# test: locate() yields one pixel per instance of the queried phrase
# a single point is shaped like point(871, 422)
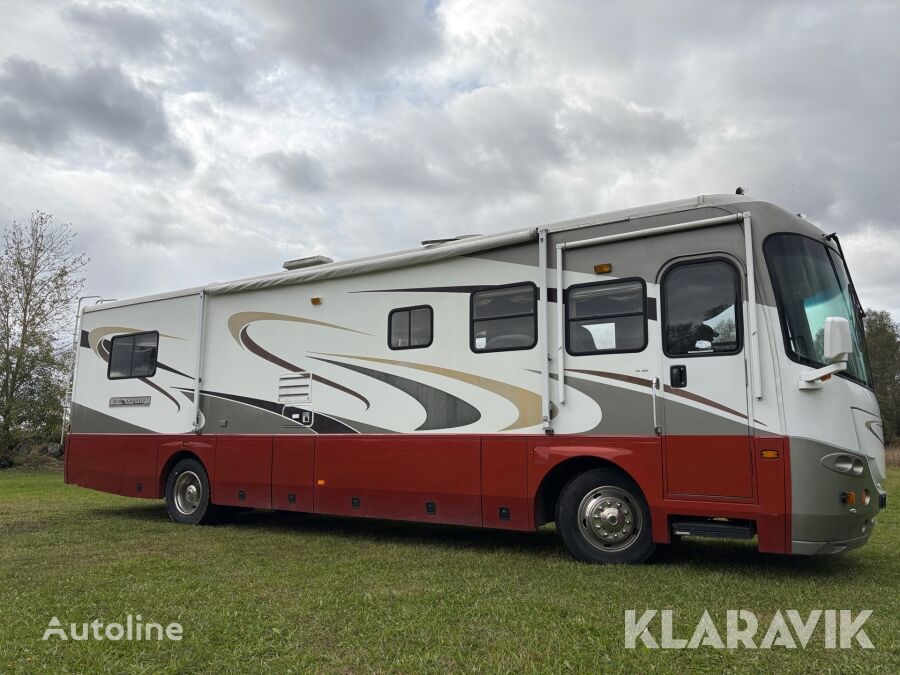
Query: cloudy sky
point(188, 142)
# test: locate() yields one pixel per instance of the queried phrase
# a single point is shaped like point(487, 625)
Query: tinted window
point(410, 327)
point(133, 355)
point(120, 356)
point(810, 285)
point(143, 361)
point(701, 309)
point(504, 318)
point(606, 317)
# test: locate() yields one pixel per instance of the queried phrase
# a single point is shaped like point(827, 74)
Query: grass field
point(282, 592)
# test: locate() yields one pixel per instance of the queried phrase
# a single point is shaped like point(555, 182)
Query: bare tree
point(40, 278)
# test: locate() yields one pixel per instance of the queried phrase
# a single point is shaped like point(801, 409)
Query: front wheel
point(187, 494)
point(602, 517)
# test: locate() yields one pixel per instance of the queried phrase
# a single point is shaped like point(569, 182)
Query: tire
point(187, 494)
point(602, 517)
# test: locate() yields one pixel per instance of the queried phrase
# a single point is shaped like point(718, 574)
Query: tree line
point(883, 346)
point(41, 279)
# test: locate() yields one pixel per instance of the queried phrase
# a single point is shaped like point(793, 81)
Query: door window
point(701, 309)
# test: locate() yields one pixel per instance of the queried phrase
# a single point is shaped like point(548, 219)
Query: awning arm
point(542, 332)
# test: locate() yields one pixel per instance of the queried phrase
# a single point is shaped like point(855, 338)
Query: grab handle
point(654, 387)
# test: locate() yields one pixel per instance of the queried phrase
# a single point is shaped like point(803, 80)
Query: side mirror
point(838, 341)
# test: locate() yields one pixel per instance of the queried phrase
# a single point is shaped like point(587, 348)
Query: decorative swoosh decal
point(254, 348)
point(669, 390)
point(551, 292)
point(322, 424)
point(442, 410)
point(705, 401)
point(526, 401)
point(630, 379)
point(236, 322)
point(95, 336)
point(162, 391)
point(875, 423)
point(163, 366)
point(103, 353)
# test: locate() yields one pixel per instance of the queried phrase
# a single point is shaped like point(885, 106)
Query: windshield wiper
point(861, 313)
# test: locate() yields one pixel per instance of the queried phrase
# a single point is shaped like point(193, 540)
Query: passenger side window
point(133, 355)
point(504, 318)
point(410, 327)
point(702, 309)
point(606, 317)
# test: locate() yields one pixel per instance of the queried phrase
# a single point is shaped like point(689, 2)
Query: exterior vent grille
point(294, 388)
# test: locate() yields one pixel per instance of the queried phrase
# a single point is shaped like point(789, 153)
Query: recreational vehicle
point(690, 368)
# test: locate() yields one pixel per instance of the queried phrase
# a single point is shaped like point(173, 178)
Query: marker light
point(769, 454)
point(848, 497)
point(320, 482)
point(603, 268)
point(317, 300)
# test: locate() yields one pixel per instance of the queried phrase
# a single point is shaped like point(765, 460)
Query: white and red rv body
point(707, 352)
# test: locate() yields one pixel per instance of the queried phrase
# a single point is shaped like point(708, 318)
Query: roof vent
point(311, 261)
point(438, 242)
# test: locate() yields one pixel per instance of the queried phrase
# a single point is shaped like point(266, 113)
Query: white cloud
point(873, 255)
point(189, 142)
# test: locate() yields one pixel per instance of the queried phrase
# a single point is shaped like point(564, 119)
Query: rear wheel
point(602, 517)
point(187, 494)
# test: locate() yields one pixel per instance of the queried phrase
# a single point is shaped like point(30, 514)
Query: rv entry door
point(705, 432)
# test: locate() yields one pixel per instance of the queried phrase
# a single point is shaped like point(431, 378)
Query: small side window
point(410, 327)
point(606, 317)
point(702, 309)
point(504, 318)
point(133, 355)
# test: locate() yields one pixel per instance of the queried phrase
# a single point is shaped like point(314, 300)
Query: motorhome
point(690, 368)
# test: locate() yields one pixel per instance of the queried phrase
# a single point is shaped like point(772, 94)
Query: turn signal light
point(769, 454)
point(848, 497)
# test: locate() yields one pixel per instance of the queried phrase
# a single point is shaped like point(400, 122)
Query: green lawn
point(280, 592)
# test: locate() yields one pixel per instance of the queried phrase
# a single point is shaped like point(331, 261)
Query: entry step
point(710, 527)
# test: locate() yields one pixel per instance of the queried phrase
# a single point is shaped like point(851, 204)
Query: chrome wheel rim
point(188, 491)
point(609, 518)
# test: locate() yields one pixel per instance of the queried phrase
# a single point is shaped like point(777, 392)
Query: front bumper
point(822, 522)
point(828, 547)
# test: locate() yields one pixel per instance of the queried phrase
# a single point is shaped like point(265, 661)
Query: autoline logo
point(655, 629)
point(133, 629)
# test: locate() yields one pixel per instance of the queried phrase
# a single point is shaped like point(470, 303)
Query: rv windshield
point(811, 284)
